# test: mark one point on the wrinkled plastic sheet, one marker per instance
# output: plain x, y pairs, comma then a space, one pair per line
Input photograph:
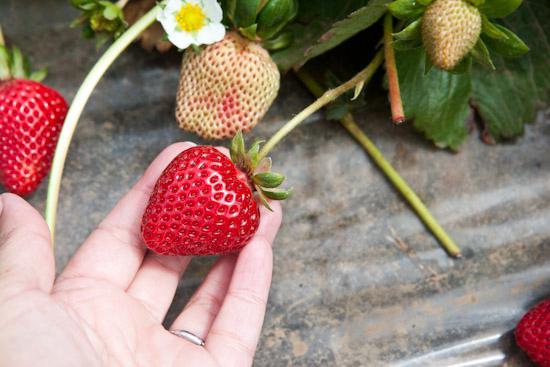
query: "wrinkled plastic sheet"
358, 281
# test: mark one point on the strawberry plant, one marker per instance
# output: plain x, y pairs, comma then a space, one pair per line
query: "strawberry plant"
437, 102
236, 49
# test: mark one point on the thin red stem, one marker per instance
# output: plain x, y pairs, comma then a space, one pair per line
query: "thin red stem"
398, 116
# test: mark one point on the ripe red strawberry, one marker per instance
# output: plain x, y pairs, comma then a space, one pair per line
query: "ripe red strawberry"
533, 333
31, 117
226, 87
203, 203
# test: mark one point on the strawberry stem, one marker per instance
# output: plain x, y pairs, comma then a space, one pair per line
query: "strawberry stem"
78, 104
330, 95
398, 116
400, 184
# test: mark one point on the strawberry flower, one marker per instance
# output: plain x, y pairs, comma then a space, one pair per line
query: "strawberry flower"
192, 22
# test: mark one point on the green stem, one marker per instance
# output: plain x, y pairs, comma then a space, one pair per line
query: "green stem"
330, 95
416, 203
77, 106
398, 116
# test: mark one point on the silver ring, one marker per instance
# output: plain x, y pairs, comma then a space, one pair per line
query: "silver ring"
190, 337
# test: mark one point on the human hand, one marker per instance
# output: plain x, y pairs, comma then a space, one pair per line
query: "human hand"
107, 306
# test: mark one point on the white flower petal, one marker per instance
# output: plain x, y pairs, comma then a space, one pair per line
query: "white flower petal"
181, 40
174, 5
168, 11
169, 24
210, 34
213, 10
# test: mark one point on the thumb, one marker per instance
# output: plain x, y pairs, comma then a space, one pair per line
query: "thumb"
26, 256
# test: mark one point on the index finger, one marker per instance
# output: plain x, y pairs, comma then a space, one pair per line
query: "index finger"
115, 251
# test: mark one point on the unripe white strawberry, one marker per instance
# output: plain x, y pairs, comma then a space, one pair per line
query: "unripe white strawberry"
450, 29
226, 87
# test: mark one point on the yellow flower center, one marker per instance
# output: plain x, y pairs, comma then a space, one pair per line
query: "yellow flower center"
191, 17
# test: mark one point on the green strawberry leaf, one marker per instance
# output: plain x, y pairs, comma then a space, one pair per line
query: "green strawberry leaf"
411, 32
404, 45
229, 7
406, 9
283, 40
246, 12
491, 30
509, 46
437, 100
481, 54
322, 25
506, 98
275, 16
499, 8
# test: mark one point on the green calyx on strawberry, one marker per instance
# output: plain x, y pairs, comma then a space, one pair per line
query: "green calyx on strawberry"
100, 19
454, 32
31, 118
15, 65
263, 21
258, 171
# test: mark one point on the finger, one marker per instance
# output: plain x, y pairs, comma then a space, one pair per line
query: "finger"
157, 279
156, 282
26, 256
115, 250
235, 331
203, 307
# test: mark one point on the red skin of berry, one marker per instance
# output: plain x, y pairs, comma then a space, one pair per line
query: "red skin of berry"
31, 117
533, 333
201, 205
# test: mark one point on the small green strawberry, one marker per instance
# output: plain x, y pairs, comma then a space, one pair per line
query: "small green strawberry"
450, 30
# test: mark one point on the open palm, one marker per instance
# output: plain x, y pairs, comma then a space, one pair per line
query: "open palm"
106, 308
